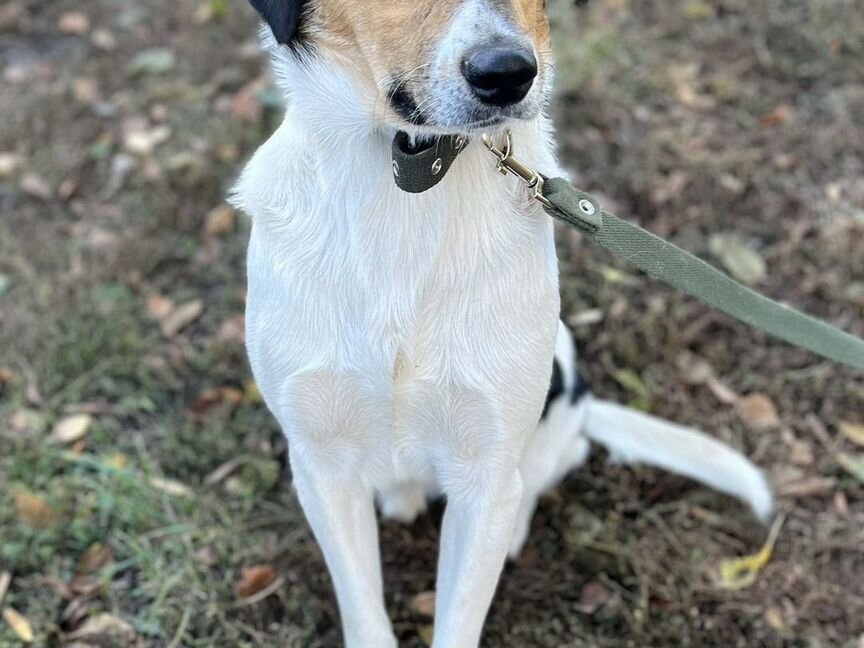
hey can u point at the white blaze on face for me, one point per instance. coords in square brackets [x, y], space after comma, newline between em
[446, 99]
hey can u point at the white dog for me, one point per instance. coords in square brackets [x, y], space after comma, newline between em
[405, 341]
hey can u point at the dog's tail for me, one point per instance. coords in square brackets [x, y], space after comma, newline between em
[634, 437]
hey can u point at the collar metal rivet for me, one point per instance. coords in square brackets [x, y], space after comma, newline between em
[395, 168]
[587, 207]
[458, 143]
[436, 166]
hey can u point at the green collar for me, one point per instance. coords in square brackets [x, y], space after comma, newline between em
[419, 167]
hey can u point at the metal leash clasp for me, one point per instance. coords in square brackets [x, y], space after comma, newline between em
[509, 164]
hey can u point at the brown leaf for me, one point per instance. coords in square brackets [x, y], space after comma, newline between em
[159, 307]
[33, 510]
[809, 487]
[219, 221]
[758, 412]
[594, 595]
[254, 579]
[97, 557]
[801, 453]
[233, 330]
[181, 317]
[19, 624]
[777, 117]
[71, 429]
[852, 431]
[210, 398]
[423, 604]
[74, 23]
[85, 90]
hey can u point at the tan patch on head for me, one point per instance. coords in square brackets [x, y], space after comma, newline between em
[531, 16]
[392, 36]
[397, 36]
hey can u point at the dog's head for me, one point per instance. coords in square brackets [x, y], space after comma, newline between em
[439, 66]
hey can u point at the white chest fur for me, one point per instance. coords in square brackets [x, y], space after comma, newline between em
[395, 334]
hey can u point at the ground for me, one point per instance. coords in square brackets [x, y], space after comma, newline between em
[140, 474]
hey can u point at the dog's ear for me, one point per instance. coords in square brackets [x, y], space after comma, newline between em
[282, 16]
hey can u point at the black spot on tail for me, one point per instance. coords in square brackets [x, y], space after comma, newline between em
[556, 388]
[580, 387]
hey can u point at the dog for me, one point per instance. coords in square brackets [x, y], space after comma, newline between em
[405, 341]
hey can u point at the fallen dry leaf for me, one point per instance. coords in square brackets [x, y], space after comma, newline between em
[220, 221]
[71, 429]
[254, 580]
[36, 186]
[774, 618]
[19, 624]
[74, 23]
[144, 142]
[758, 412]
[852, 431]
[722, 391]
[233, 330]
[740, 573]
[777, 117]
[181, 317]
[33, 510]
[801, 453]
[104, 40]
[744, 262]
[423, 604]
[97, 557]
[105, 630]
[5, 582]
[841, 504]
[809, 487]
[9, 162]
[159, 307]
[85, 90]
[171, 487]
[210, 398]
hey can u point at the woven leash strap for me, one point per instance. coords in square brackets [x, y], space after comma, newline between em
[686, 272]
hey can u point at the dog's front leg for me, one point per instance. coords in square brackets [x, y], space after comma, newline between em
[474, 540]
[337, 424]
[342, 516]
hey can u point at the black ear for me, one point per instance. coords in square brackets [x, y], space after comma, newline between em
[283, 17]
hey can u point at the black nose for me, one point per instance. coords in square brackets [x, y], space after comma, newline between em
[501, 76]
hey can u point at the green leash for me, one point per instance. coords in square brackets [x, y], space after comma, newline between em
[691, 274]
[651, 254]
